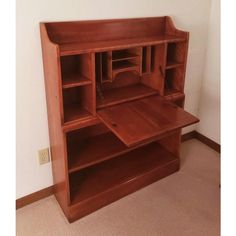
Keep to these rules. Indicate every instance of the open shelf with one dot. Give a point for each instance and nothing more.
(173, 81)
(125, 54)
(126, 60)
(119, 56)
(124, 94)
(171, 92)
(76, 107)
(176, 98)
(74, 80)
(175, 53)
(178, 101)
(75, 70)
(173, 64)
(111, 63)
(110, 174)
(123, 65)
(92, 150)
(74, 112)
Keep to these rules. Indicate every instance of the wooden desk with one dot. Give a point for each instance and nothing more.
(115, 99)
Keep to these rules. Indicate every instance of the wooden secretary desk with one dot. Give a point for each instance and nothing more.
(115, 98)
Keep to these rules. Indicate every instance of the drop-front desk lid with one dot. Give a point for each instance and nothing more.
(142, 120)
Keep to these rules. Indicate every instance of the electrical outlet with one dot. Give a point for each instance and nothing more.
(44, 156)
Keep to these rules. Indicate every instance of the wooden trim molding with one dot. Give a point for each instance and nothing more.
(33, 197)
(212, 144)
(188, 136)
(194, 134)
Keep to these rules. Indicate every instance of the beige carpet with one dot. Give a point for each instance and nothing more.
(185, 203)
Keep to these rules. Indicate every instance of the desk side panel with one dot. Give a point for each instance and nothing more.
(51, 63)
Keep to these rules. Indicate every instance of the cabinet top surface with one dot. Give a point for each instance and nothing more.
(100, 35)
(77, 48)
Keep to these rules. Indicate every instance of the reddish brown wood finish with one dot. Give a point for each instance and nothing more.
(124, 94)
(119, 177)
(116, 171)
(156, 68)
(172, 142)
(171, 30)
(117, 70)
(85, 150)
(146, 60)
(100, 46)
(74, 80)
(33, 197)
(55, 116)
(105, 30)
(144, 119)
(177, 98)
(90, 120)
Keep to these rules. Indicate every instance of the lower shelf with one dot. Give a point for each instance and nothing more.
(91, 182)
(94, 150)
(171, 92)
(75, 112)
(177, 99)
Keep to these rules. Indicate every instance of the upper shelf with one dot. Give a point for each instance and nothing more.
(121, 55)
(77, 48)
(77, 37)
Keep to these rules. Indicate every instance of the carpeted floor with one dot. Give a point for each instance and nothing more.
(185, 203)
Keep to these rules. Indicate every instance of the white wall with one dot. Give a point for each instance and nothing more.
(32, 129)
(209, 109)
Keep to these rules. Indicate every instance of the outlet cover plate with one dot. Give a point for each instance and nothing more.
(43, 156)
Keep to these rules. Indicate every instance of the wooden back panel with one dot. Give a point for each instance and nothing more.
(102, 30)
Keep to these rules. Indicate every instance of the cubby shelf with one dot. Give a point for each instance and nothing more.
(171, 92)
(126, 60)
(177, 99)
(123, 169)
(74, 80)
(123, 56)
(119, 66)
(173, 64)
(74, 112)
